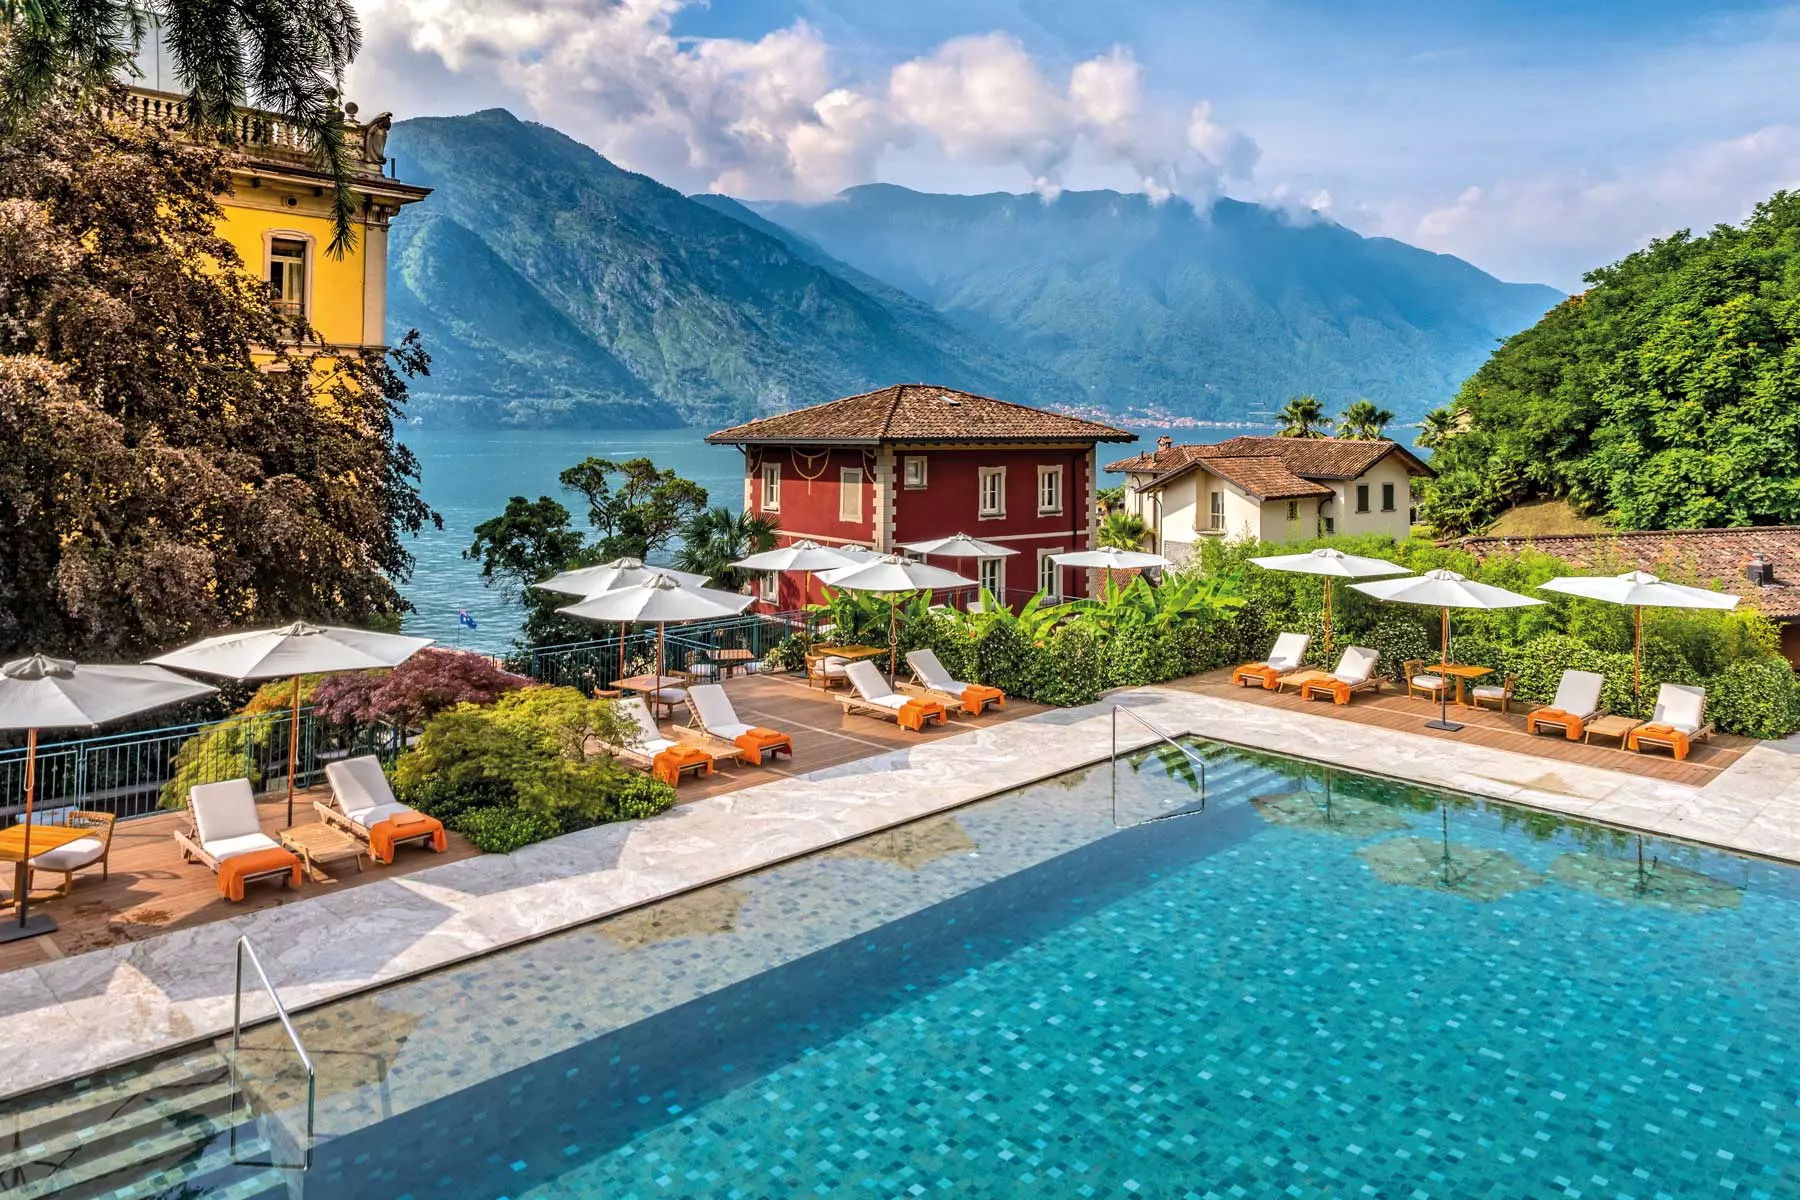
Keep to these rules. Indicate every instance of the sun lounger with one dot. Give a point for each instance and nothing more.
(228, 837)
(1355, 673)
(870, 693)
(929, 670)
(364, 807)
(714, 715)
(666, 758)
(1577, 701)
(1678, 721)
(1284, 659)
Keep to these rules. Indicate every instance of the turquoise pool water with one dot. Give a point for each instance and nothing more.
(1320, 985)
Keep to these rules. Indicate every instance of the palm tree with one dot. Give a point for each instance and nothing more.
(1303, 417)
(1122, 531)
(288, 58)
(1440, 425)
(1365, 420)
(712, 540)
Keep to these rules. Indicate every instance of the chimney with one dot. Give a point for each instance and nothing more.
(1759, 571)
(1165, 442)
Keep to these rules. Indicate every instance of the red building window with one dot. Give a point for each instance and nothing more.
(850, 494)
(915, 473)
(771, 487)
(993, 491)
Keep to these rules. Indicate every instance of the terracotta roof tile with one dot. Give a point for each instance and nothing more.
(911, 412)
(1265, 478)
(1715, 557)
(1311, 458)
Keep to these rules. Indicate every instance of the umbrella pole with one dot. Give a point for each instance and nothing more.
(893, 640)
(27, 926)
(1444, 722)
(1637, 652)
(1328, 616)
(293, 750)
(623, 626)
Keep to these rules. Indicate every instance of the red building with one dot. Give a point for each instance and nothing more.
(914, 462)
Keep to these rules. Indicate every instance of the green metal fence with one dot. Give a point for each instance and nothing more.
(129, 774)
(588, 665)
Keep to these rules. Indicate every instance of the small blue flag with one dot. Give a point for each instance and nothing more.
(465, 620)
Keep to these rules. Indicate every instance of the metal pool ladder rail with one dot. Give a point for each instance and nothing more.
(1198, 763)
(237, 1030)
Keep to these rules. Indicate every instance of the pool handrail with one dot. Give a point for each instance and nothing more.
(244, 947)
(1198, 762)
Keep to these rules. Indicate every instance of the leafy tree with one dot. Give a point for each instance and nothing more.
(415, 691)
(286, 58)
(636, 508)
(1121, 531)
(1440, 425)
(1302, 417)
(1665, 396)
(1110, 499)
(529, 542)
(714, 539)
(1364, 420)
(162, 472)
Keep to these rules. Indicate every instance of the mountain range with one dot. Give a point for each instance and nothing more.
(554, 288)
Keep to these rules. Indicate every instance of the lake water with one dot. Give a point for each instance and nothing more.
(468, 476)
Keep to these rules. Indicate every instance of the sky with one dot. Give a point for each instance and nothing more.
(1536, 139)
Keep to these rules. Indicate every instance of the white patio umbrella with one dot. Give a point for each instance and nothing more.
(620, 572)
(1332, 564)
(894, 575)
(806, 556)
(1446, 590)
(958, 545)
(296, 650)
(1640, 590)
(661, 599)
(52, 693)
(1111, 558)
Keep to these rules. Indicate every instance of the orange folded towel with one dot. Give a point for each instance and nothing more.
(385, 835)
(764, 743)
(239, 867)
(978, 696)
(1337, 689)
(1660, 735)
(914, 713)
(1258, 673)
(669, 764)
(1568, 722)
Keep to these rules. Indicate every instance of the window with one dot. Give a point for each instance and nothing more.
(991, 574)
(287, 275)
(771, 586)
(850, 494)
(1293, 510)
(1362, 497)
(915, 473)
(1049, 575)
(1218, 512)
(1050, 481)
(1387, 497)
(771, 479)
(993, 491)
(1330, 524)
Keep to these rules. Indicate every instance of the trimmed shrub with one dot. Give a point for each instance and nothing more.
(789, 654)
(503, 830)
(1396, 640)
(1004, 659)
(1135, 657)
(1755, 697)
(1070, 673)
(1541, 662)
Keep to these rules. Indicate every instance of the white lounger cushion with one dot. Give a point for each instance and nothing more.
(1289, 649)
(713, 708)
(1356, 666)
(71, 856)
(362, 791)
(224, 810)
(1489, 691)
(930, 670)
(872, 687)
(231, 847)
(1578, 693)
(1430, 683)
(1680, 706)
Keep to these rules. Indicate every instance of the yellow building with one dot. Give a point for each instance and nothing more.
(278, 216)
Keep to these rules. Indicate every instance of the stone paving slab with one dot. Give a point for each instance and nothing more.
(73, 1016)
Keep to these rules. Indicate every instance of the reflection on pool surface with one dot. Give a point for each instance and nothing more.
(1320, 985)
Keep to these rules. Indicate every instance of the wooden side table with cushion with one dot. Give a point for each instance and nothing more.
(1299, 679)
(319, 843)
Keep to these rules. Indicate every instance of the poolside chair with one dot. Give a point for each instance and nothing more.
(1577, 701)
(1494, 693)
(81, 853)
(929, 671)
(826, 668)
(365, 809)
(1421, 682)
(871, 694)
(1355, 673)
(714, 715)
(1677, 722)
(665, 758)
(227, 836)
(1284, 659)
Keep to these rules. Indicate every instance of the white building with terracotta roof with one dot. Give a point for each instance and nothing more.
(1275, 489)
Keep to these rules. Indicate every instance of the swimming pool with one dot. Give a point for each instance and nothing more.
(1310, 983)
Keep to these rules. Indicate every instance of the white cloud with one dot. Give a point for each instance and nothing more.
(1554, 226)
(772, 118)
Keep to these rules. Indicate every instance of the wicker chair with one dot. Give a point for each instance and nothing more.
(81, 853)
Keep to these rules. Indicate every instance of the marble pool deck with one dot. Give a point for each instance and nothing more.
(67, 1018)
